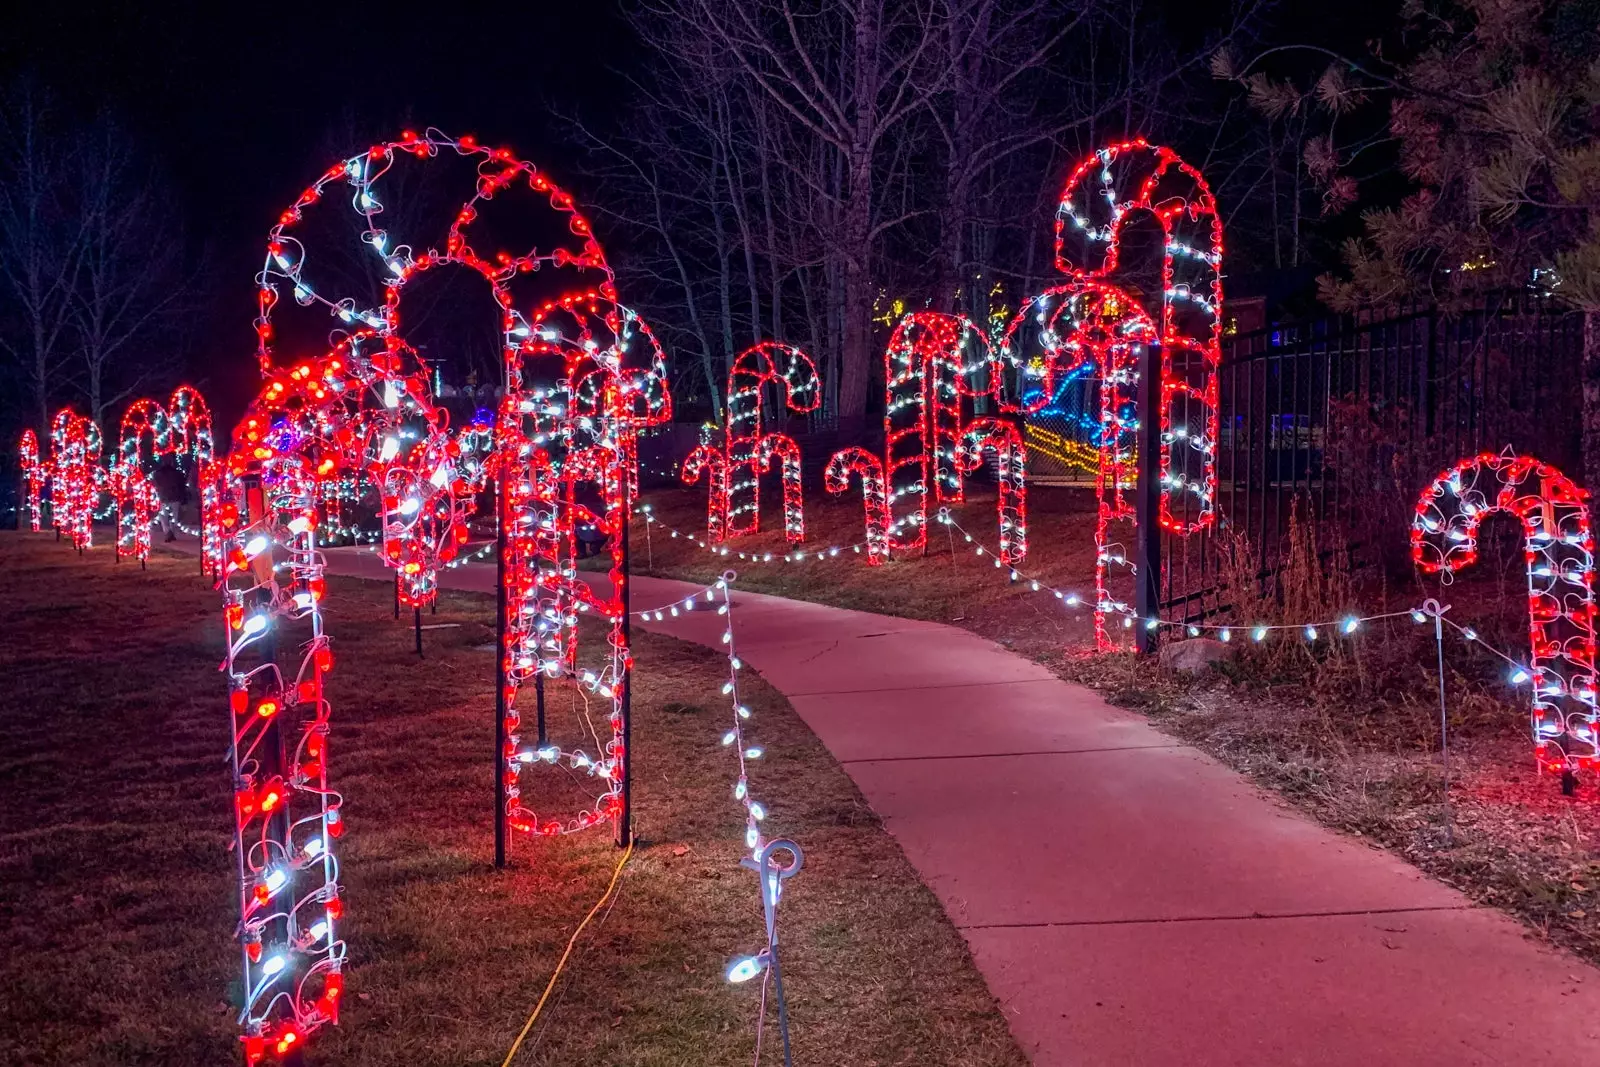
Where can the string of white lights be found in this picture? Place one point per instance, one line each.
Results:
(1344, 625)
(797, 556)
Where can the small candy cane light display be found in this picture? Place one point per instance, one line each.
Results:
(1001, 438)
(734, 470)
(33, 476)
(1559, 546)
(933, 362)
(76, 477)
(143, 437)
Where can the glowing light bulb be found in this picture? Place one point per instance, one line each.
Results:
(273, 965)
(745, 969)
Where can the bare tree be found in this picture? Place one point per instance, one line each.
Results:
(850, 73)
(130, 278)
(40, 246)
(788, 166)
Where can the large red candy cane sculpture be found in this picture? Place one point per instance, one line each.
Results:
(1559, 546)
(930, 365)
(1099, 196)
(734, 470)
(576, 392)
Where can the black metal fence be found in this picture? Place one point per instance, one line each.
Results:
(1347, 418)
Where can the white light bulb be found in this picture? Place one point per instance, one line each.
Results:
(745, 969)
(273, 966)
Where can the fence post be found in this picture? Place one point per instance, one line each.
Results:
(1147, 502)
(1590, 377)
(1430, 370)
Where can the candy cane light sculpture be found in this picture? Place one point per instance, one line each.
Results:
(1559, 546)
(734, 470)
(581, 379)
(1095, 316)
(933, 362)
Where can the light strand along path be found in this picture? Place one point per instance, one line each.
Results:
(1128, 899)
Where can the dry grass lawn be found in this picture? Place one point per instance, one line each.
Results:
(117, 903)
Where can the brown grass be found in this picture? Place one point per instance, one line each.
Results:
(1349, 731)
(116, 887)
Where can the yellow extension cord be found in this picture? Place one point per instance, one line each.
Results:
(537, 1008)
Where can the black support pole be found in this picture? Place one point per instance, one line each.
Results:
(1147, 503)
(499, 763)
(416, 622)
(625, 816)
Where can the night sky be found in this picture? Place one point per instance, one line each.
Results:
(242, 112)
(244, 105)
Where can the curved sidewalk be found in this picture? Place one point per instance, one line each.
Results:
(1128, 899)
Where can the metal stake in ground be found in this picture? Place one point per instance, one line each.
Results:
(772, 877)
(649, 553)
(1431, 607)
(625, 816)
(1147, 502)
(416, 622)
(500, 673)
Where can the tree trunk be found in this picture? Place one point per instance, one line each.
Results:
(856, 337)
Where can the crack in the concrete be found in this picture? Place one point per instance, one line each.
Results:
(937, 685)
(819, 652)
(1029, 752)
(1220, 918)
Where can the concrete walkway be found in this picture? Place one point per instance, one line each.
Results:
(1128, 899)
